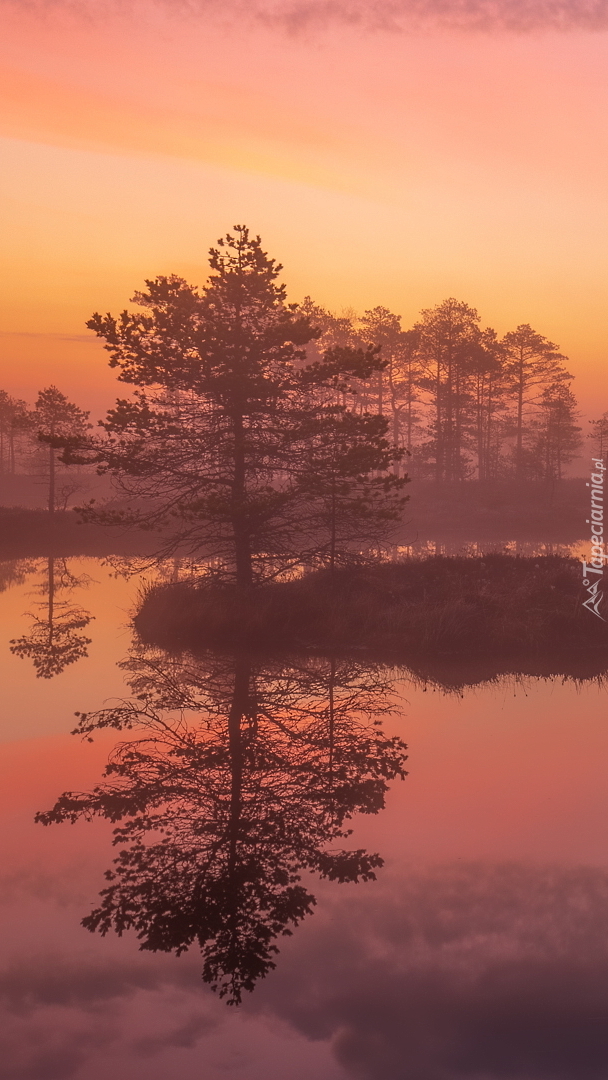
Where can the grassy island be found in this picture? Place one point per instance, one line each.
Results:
(495, 606)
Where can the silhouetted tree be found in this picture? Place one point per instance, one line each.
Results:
(488, 390)
(599, 435)
(346, 469)
(555, 437)
(217, 817)
(398, 383)
(532, 365)
(56, 420)
(210, 446)
(54, 642)
(449, 342)
(13, 422)
(204, 443)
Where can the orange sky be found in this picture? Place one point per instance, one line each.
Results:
(380, 167)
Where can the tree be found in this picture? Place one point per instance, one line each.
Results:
(398, 384)
(241, 778)
(382, 328)
(209, 448)
(555, 437)
(346, 470)
(599, 435)
(13, 421)
(532, 364)
(203, 446)
(488, 392)
(449, 340)
(56, 420)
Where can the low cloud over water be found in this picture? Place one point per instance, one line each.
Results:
(468, 970)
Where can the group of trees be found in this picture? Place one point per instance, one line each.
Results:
(237, 443)
(30, 437)
(265, 433)
(461, 401)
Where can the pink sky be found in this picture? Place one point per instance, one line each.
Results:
(384, 156)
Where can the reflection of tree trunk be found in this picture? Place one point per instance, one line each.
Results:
(51, 592)
(51, 479)
(239, 708)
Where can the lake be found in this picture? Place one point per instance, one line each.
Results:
(480, 950)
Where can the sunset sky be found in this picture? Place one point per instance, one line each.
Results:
(394, 153)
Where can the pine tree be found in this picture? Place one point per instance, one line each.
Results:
(449, 340)
(346, 468)
(532, 365)
(13, 422)
(56, 420)
(211, 446)
(555, 437)
(599, 435)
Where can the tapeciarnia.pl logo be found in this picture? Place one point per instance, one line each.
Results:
(593, 571)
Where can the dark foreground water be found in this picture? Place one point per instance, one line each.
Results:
(480, 951)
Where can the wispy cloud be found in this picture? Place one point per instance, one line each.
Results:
(296, 16)
(403, 15)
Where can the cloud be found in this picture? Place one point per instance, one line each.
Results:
(58, 1016)
(500, 973)
(403, 15)
(297, 16)
(494, 972)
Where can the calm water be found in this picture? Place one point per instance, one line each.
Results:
(480, 951)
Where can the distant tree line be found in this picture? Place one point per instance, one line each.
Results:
(31, 439)
(461, 401)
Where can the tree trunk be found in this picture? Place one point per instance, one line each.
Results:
(51, 591)
(333, 527)
(520, 422)
(51, 479)
(240, 528)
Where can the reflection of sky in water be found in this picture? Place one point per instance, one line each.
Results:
(423, 548)
(480, 952)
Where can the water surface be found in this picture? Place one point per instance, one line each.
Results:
(480, 950)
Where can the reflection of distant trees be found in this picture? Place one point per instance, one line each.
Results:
(240, 778)
(15, 572)
(54, 640)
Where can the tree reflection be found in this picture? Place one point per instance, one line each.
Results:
(55, 641)
(239, 779)
(14, 572)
